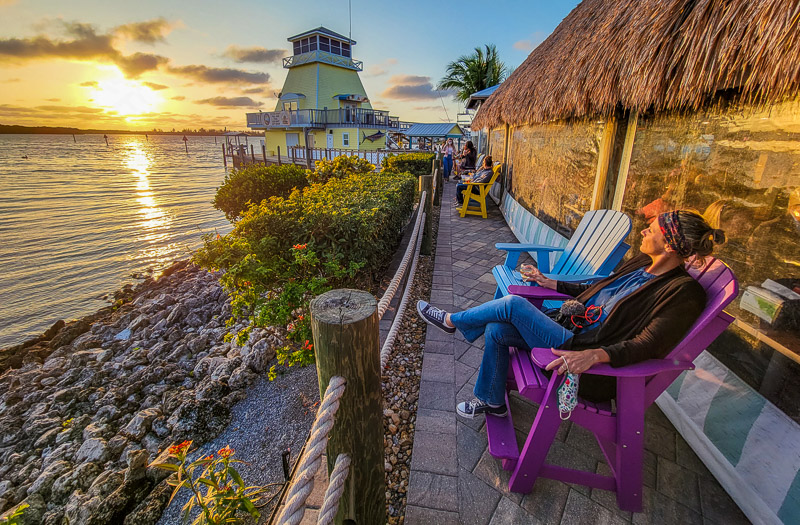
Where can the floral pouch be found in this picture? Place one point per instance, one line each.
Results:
(568, 395)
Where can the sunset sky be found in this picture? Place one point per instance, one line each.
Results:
(166, 64)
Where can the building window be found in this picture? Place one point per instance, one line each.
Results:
(324, 44)
(297, 50)
(335, 47)
(345, 49)
(290, 106)
(345, 140)
(304, 45)
(312, 43)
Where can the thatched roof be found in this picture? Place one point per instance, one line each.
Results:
(652, 54)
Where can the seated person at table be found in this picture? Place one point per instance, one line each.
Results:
(482, 175)
(468, 158)
(645, 309)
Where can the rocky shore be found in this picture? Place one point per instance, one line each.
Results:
(88, 405)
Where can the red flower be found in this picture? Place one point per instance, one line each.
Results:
(300, 246)
(225, 452)
(300, 318)
(178, 449)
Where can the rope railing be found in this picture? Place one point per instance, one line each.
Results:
(388, 295)
(303, 483)
(333, 494)
(387, 345)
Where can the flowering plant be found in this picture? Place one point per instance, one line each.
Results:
(225, 491)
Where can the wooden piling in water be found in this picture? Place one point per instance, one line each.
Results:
(224, 157)
(345, 325)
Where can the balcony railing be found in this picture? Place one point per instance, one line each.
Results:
(325, 58)
(320, 118)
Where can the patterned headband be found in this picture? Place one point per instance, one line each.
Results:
(673, 233)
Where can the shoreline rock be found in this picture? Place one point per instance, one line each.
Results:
(86, 404)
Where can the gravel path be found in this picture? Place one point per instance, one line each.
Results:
(274, 416)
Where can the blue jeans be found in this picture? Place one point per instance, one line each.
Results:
(460, 188)
(447, 160)
(506, 322)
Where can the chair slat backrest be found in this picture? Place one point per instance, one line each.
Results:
(599, 233)
(721, 288)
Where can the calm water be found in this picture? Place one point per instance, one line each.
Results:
(77, 219)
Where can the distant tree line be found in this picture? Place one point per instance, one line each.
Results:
(39, 130)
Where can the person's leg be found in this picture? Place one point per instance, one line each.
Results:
(490, 386)
(447, 161)
(459, 195)
(535, 327)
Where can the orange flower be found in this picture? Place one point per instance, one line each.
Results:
(300, 318)
(225, 452)
(178, 449)
(300, 246)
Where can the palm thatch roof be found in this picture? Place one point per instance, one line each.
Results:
(652, 54)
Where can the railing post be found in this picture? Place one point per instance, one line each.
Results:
(347, 342)
(224, 157)
(264, 153)
(426, 184)
(438, 172)
(279, 154)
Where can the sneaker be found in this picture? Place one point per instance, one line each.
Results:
(470, 409)
(434, 316)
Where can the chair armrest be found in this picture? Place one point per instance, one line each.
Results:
(541, 357)
(574, 278)
(514, 250)
(537, 292)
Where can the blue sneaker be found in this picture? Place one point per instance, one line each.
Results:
(434, 316)
(470, 409)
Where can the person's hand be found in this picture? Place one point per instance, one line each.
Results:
(530, 273)
(576, 362)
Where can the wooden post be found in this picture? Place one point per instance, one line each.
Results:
(347, 344)
(438, 172)
(252, 154)
(279, 154)
(292, 153)
(264, 153)
(224, 157)
(426, 184)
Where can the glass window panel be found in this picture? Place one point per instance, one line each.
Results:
(324, 43)
(345, 49)
(297, 49)
(555, 167)
(312, 43)
(740, 166)
(345, 139)
(335, 47)
(304, 45)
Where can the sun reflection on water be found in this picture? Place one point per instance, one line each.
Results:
(155, 222)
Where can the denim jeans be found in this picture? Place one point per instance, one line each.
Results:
(447, 160)
(460, 188)
(506, 322)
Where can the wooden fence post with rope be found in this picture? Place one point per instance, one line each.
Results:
(438, 171)
(426, 185)
(347, 343)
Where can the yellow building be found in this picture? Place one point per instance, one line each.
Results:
(323, 103)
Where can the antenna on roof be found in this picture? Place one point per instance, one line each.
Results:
(443, 106)
(350, 9)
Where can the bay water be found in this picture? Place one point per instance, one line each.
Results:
(78, 218)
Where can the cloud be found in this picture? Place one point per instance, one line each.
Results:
(529, 44)
(220, 74)
(147, 32)
(255, 54)
(12, 80)
(88, 83)
(4, 3)
(382, 68)
(227, 102)
(411, 87)
(179, 98)
(86, 45)
(154, 86)
(53, 99)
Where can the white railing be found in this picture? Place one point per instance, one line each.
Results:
(298, 153)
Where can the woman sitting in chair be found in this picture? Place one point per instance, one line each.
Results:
(468, 158)
(482, 175)
(640, 312)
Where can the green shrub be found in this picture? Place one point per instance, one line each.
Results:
(416, 163)
(339, 168)
(253, 184)
(285, 251)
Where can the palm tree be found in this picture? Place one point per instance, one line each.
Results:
(474, 72)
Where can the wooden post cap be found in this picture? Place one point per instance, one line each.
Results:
(343, 306)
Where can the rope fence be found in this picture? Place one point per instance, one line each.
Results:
(303, 483)
(388, 295)
(390, 338)
(335, 490)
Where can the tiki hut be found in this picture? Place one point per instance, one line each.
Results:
(649, 105)
(652, 55)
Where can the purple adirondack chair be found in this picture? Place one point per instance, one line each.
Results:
(619, 432)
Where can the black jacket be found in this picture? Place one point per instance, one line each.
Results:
(646, 324)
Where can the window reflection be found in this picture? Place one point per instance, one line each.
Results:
(739, 166)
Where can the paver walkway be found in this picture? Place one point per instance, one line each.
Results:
(455, 480)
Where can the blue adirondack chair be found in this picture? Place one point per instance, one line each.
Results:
(593, 251)
(620, 432)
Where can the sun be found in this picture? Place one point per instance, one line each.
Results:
(126, 97)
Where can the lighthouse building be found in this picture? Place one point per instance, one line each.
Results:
(323, 103)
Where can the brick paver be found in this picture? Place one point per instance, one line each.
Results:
(455, 480)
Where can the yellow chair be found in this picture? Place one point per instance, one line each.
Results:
(478, 191)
